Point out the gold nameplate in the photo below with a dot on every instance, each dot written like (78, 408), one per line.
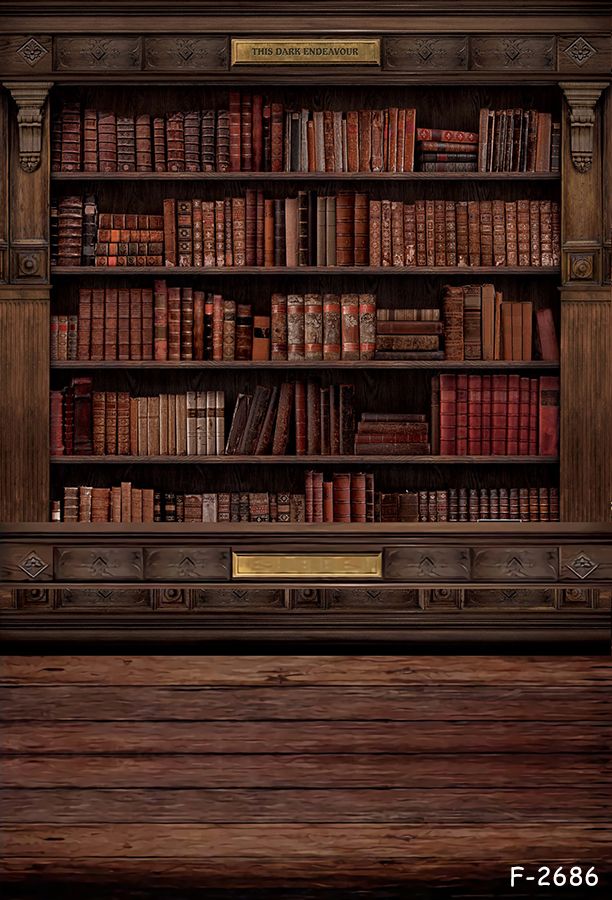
(307, 565)
(304, 52)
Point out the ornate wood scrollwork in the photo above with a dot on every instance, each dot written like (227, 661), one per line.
(30, 99)
(581, 98)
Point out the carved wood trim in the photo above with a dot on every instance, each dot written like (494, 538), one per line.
(582, 98)
(30, 98)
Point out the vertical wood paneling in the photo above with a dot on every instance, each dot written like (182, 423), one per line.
(24, 410)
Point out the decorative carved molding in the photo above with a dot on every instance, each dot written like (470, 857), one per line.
(32, 51)
(33, 565)
(30, 99)
(581, 266)
(187, 52)
(580, 51)
(522, 53)
(101, 52)
(581, 98)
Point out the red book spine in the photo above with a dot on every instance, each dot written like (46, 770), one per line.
(448, 415)
(462, 415)
(548, 426)
(276, 137)
(486, 416)
(317, 496)
(328, 501)
(342, 497)
(475, 415)
(135, 323)
(308, 490)
(56, 420)
(512, 447)
(84, 333)
(235, 130)
(358, 497)
(217, 325)
(257, 126)
(300, 418)
(147, 323)
(523, 439)
(174, 323)
(246, 133)
(534, 387)
(499, 413)
(350, 326)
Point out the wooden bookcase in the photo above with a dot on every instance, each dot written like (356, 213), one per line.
(555, 58)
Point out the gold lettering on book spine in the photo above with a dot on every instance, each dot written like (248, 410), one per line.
(307, 565)
(303, 52)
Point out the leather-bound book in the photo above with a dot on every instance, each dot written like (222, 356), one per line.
(523, 232)
(244, 331)
(278, 308)
(462, 414)
(184, 232)
(56, 142)
(486, 233)
(499, 415)
(255, 420)
(358, 497)
(222, 141)
(499, 232)
(346, 407)
(350, 326)
(192, 129)
(392, 140)
(367, 326)
(135, 323)
(342, 497)
(170, 242)
(198, 231)
(453, 313)
(546, 334)
(331, 326)
(434, 416)
(261, 337)
(525, 330)
(208, 327)
(280, 440)
(511, 233)
(461, 232)
(365, 140)
(97, 323)
(291, 233)
(401, 138)
(386, 237)
(421, 232)
(126, 144)
(448, 415)
(308, 491)
(219, 419)
(377, 140)
(90, 141)
(192, 423)
(361, 230)
(409, 139)
(472, 321)
(53, 335)
(319, 141)
(279, 233)
(266, 435)
(219, 233)
(324, 420)
(174, 323)
(313, 326)
(474, 234)
(543, 142)
(70, 231)
(276, 137)
(187, 323)
(512, 433)
(246, 133)
(300, 418)
(147, 323)
(159, 144)
(269, 233)
(123, 323)
(175, 142)
(409, 231)
(217, 328)
(523, 419)
(153, 425)
(345, 229)
(375, 227)
(556, 234)
(330, 231)
(82, 415)
(548, 416)
(229, 329)
(474, 415)
(251, 226)
(295, 327)
(328, 501)
(235, 131)
(450, 232)
(313, 418)
(107, 142)
(352, 140)
(546, 248)
(68, 419)
(238, 424)
(260, 226)
(534, 233)
(239, 231)
(486, 415)
(507, 328)
(56, 424)
(259, 507)
(328, 141)
(430, 232)
(440, 232)
(207, 140)
(160, 302)
(84, 333)
(334, 419)
(257, 133)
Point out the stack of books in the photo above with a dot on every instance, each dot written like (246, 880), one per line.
(392, 434)
(408, 334)
(439, 150)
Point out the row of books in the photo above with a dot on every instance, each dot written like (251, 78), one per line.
(84, 421)
(345, 229)
(498, 415)
(480, 324)
(343, 498)
(518, 140)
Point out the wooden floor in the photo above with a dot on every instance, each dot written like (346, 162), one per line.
(302, 776)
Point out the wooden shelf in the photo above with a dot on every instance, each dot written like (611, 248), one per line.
(283, 365)
(305, 176)
(303, 460)
(468, 271)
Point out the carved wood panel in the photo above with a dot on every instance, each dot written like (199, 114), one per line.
(237, 598)
(103, 599)
(427, 564)
(187, 563)
(20, 564)
(101, 52)
(186, 53)
(510, 598)
(98, 564)
(371, 599)
(26, 54)
(441, 599)
(582, 54)
(511, 53)
(580, 563)
(425, 53)
(515, 564)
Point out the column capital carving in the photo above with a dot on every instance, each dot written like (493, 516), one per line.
(582, 97)
(30, 99)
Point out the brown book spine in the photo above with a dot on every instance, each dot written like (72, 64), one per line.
(300, 418)
(222, 141)
(175, 142)
(332, 342)
(295, 327)
(278, 307)
(397, 233)
(238, 231)
(160, 320)
(174, 323)
(534, 233)
(523, 232)
(346, 419)
(207, 140)
(187, 323)
(313, 326)
(198, 232)
(421, 232)
(313, 418)
(375, 233)
(345, 229)
(265, 440)
(184, 232)
(342, 496)
(367, 326)
(430, 232)
(283, 420)
(235, 131)
(170, 243)
(350, 326)
(251, 227)
(386, 238)
(217, 327)
(244, 331)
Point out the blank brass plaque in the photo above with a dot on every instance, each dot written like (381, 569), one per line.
(309, 565)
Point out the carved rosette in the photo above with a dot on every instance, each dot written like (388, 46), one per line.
(581, 98)
(30, 99)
